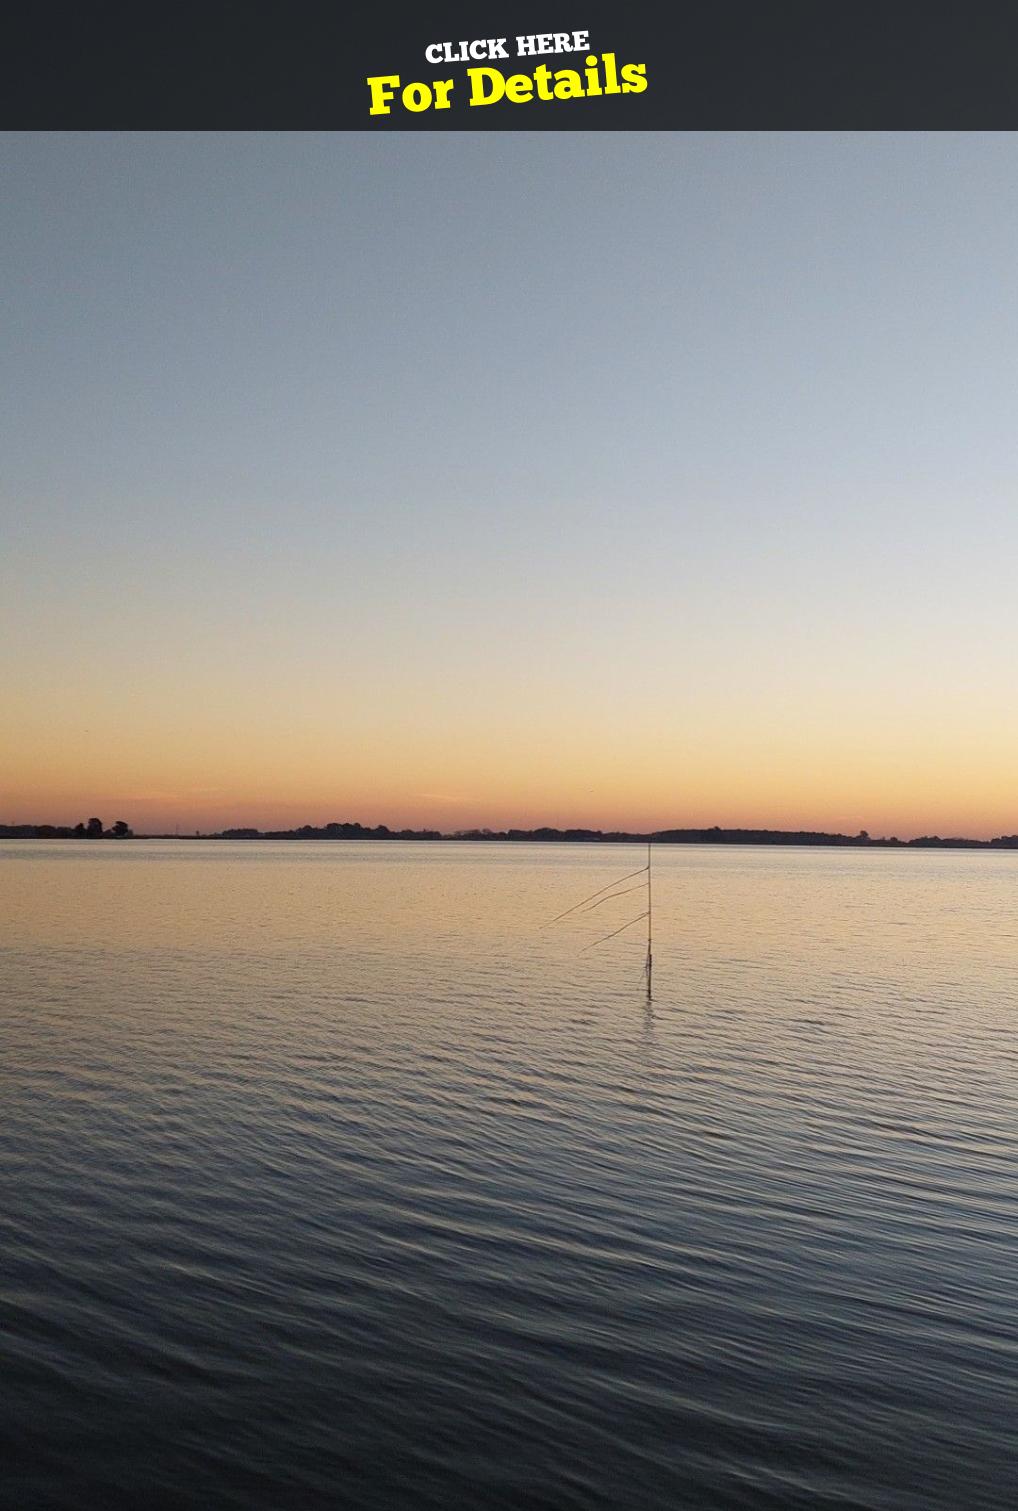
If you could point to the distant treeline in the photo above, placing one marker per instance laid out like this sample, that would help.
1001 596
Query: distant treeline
715 836
331 831
93 829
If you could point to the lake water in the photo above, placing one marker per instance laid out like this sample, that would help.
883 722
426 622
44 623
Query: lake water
331 1178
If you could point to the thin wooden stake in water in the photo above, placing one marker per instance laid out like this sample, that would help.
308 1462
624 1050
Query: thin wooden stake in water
608 893
650 921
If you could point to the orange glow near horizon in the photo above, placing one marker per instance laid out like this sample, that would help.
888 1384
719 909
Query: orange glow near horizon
282 774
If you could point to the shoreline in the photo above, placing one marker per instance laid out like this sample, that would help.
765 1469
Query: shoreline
333 834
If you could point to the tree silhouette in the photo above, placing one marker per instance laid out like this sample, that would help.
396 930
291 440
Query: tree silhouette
120 829
95 828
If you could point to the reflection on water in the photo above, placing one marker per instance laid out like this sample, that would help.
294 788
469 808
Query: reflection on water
331 1178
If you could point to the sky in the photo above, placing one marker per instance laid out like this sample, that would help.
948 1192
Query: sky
620 480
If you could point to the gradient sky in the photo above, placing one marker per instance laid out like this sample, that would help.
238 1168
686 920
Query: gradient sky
516 478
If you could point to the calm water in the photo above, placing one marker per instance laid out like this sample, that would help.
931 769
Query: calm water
330 1179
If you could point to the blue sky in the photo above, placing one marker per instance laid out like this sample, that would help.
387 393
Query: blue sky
429 463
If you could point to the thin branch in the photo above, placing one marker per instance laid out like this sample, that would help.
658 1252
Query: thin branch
618 882
624 893
628 925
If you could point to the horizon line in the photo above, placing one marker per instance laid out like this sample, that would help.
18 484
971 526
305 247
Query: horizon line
544 833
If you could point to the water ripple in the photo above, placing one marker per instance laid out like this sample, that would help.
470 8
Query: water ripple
328 1181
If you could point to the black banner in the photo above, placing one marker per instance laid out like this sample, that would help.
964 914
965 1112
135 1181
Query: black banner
779 64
